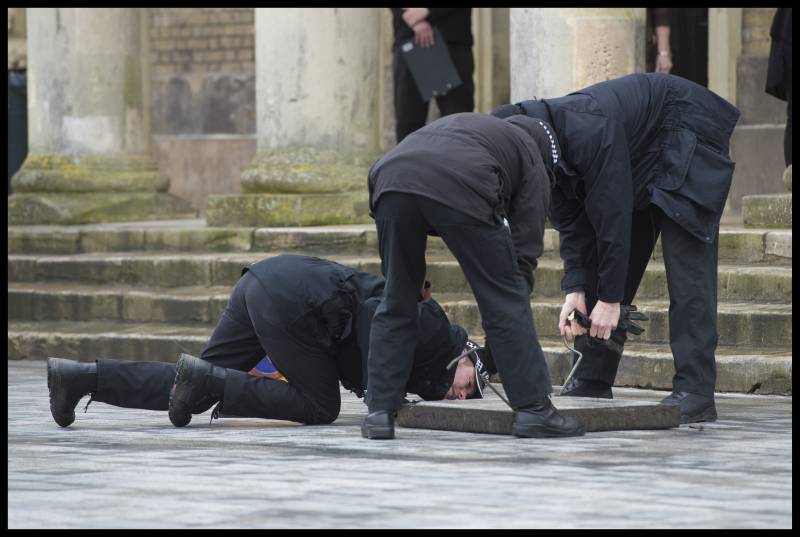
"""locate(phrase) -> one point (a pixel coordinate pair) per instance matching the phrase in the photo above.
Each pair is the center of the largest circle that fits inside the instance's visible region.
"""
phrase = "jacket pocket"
(708, 179)
(676, 155)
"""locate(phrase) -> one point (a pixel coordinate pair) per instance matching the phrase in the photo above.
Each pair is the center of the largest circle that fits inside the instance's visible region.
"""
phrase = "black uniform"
(642, 155)
(455, 25)
(461, 177)
(779, 70)
(312, 318)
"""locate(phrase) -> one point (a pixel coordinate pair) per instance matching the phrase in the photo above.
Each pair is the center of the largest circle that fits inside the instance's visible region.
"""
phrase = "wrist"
(665, 53)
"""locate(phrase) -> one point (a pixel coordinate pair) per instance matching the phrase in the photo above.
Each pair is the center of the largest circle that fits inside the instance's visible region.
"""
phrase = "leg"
(691, 267)
(410, 111)
(402, 236)
(600, 364)
(787, 137)
(486, 254)
(462, 98)
(130, 384)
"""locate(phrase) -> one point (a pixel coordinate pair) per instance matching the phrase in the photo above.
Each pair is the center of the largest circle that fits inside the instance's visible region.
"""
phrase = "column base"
(49, 208)
(266, 210)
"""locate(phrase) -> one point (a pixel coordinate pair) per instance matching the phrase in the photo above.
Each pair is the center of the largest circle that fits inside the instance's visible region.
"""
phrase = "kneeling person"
(309, 317)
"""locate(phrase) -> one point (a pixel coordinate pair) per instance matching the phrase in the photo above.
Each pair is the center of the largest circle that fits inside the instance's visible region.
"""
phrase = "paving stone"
(491, 414)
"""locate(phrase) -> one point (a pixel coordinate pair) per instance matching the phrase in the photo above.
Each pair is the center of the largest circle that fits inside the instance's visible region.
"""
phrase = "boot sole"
(709, 415)
(544, 432)
(54, 383)
(377, 433)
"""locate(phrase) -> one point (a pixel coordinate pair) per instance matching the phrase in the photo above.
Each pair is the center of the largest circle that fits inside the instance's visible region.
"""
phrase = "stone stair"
(149, 290)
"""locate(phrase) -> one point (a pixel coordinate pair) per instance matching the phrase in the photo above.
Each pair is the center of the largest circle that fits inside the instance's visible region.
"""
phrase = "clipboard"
(432, 68)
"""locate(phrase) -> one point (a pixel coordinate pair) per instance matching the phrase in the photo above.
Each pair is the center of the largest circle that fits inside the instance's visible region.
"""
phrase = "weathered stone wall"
(17, 46)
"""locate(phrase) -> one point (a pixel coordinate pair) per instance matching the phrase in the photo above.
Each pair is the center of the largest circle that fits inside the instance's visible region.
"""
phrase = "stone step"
(736, 282)
(767, 210)
(737, 244)
(647, 366)
(767, 325)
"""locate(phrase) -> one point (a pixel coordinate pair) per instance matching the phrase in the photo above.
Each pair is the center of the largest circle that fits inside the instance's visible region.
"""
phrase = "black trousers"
(486, 254)
(245, 332)
(787, 136)
(691, 269)
(410, 111)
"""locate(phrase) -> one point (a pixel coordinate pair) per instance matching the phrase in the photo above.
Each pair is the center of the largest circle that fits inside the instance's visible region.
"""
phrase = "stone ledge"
(767, 210)
(265, 210)
(492, 416)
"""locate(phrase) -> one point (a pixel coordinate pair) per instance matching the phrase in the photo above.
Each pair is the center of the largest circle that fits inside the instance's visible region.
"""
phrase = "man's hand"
(413, 15)
(604, 318)
(423, 34)
(573, 301)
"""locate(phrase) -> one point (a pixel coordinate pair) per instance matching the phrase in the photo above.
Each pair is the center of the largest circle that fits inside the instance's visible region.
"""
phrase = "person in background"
(455, 25)
(779, 70)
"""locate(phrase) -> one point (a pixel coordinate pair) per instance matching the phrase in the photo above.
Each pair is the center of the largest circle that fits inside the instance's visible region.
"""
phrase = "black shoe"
(587, 388)
(378, 425)
(542, 420)
(197, 386)
(694, 408)
(68, 381)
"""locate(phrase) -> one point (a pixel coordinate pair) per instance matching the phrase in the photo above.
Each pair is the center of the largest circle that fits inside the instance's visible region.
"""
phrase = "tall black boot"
(68, 381)
(198, 385)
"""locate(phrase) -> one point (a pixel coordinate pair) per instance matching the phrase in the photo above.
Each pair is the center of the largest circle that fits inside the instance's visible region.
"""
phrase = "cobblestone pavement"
(126, 468)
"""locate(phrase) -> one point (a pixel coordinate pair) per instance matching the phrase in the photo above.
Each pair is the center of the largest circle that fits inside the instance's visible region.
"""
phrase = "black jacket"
(455, 23)
(626, 143)
(478, 164)
(780, 53)
(333, 305)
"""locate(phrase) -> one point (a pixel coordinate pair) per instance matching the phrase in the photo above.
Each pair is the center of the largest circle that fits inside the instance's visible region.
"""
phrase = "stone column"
(317, 96)
(555, 51)
(89, 129)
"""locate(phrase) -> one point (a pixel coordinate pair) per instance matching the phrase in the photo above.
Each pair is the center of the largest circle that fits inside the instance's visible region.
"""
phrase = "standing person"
(310, 317)
(779, 70)
(455, 25)
(483, 185)
(644, 154)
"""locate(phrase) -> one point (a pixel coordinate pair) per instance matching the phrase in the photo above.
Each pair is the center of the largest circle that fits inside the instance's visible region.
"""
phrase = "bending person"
(482, 184)
(643, 155)
(311, 317)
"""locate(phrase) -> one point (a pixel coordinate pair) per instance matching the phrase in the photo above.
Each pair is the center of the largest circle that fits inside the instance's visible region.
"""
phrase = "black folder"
(432, 68)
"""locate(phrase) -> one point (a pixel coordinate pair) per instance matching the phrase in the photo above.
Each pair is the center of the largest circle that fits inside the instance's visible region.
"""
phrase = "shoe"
(542, 420)
(694, 408)
(587, 388)
(197, 385)
(68, 381)
(378, 425)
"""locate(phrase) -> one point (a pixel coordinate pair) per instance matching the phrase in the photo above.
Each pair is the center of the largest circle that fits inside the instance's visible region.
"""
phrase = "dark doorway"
(688, 42)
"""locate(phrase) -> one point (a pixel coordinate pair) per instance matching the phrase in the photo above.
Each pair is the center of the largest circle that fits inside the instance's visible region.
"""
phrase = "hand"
(573, 301)
(604, 318)
(413, 15)
(423, 34)
(663, 64)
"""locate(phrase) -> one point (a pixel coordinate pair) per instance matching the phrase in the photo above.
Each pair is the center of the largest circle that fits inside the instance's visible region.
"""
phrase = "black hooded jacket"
(626, 143)
(478, 164)
(333, 306)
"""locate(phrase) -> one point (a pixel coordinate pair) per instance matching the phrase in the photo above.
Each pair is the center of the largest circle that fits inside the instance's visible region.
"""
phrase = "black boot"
(542, 420)
(198, 385)
(694, 408)
(587, 388)
(378, 425)
(68, 381)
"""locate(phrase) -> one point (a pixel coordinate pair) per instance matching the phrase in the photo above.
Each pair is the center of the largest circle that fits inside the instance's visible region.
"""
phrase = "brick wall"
(203, 62)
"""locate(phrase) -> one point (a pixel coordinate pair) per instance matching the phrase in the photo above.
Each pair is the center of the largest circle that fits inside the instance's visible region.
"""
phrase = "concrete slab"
(491, 415)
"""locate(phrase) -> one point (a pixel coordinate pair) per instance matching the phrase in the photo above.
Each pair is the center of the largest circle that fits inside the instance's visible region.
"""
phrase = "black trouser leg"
(244, 335)
(787, 137)
(691, 267)
(410, 111)
(130, 384)
(402, 237)
(599, 362)
(486, 255)
(461, 98)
